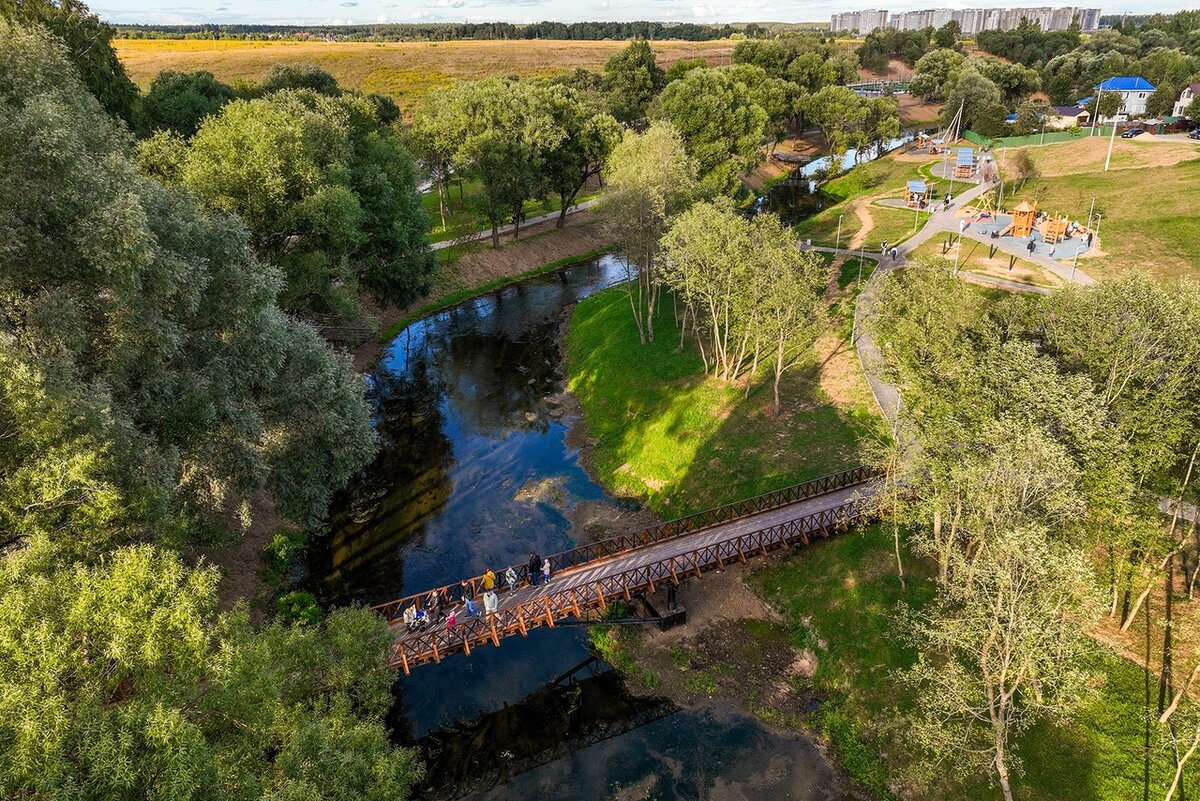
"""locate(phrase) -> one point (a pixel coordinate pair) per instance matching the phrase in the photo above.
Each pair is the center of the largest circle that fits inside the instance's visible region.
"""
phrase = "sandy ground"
(538, 245)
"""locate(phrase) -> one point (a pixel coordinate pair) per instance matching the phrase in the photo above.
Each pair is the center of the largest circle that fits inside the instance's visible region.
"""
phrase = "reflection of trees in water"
(497, 382)
(407, 483)
(543, 727)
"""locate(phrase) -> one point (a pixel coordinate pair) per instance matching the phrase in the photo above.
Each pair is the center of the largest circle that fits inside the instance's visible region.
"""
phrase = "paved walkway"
(505, 229)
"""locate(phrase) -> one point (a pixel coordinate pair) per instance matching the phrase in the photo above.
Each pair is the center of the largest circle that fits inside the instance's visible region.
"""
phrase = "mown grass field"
(1148, 200)
(840, 599)
(682, 441)
(405, 71)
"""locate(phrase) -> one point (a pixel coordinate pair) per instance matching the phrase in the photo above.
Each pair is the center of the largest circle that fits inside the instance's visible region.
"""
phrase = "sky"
(335, 12)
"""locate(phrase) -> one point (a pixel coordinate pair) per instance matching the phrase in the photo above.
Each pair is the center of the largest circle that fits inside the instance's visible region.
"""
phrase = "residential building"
(1134, 90)
(970, 20)
(1189, 93)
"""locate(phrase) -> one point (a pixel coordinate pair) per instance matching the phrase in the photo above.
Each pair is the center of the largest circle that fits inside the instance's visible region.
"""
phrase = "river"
(474, 471)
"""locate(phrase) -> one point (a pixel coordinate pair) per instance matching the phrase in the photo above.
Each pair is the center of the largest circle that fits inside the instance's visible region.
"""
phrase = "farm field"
(405, 71)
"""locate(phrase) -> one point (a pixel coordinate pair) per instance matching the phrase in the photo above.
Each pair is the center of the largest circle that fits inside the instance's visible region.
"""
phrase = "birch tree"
(1001, 647)
(651, 178)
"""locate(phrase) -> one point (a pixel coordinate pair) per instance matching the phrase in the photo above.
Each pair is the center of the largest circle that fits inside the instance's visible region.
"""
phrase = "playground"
(1055, 237)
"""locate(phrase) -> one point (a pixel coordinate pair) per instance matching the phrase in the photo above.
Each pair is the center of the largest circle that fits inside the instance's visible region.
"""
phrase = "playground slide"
(1007, 230)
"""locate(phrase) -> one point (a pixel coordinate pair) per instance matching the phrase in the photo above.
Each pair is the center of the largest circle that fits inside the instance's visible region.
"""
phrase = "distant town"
(970, 20)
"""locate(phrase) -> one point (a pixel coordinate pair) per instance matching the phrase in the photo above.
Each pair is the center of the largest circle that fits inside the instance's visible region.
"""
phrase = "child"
(546, 570)
(510, 576)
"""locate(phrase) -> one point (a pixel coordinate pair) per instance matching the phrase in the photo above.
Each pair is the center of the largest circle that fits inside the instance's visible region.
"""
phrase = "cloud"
(350, 4)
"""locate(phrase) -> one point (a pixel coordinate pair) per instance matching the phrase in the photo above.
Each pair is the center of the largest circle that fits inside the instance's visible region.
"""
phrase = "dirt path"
(868, 223)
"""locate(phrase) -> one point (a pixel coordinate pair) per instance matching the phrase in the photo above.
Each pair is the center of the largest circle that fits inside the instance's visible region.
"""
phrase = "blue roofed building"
(1134, 90)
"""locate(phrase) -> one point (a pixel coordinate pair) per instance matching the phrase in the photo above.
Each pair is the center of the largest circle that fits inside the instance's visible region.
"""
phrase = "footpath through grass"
(464, 219)
(840, 599)
(884, 178)
(683, 441)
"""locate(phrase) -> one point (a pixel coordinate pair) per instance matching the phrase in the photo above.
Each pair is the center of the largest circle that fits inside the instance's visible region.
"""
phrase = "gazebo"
(916, 194)
(964, 165)
(1022, 219)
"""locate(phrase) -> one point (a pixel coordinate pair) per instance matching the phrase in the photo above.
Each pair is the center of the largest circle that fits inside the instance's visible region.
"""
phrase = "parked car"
(1194, 134)
(1132, 132)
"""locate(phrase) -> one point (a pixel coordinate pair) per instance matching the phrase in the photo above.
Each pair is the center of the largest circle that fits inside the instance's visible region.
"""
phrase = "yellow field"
(403, 70)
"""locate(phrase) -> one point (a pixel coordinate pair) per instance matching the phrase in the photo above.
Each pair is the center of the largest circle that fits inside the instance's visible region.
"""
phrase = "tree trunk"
(562, 212)
(778, 371)
(1164, 678)
(495, 235)
(442, 202)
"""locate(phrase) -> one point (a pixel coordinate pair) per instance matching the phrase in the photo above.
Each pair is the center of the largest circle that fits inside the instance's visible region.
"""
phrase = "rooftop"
(1126, 83)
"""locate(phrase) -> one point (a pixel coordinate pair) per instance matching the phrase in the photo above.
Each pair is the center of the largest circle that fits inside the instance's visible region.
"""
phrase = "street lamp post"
(837, 244)
(861, 249)
(1043, 132)
(1074, 261)
(1099, 217)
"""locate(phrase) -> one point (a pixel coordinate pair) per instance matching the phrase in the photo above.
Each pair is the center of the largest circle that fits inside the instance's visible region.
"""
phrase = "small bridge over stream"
(587, 578)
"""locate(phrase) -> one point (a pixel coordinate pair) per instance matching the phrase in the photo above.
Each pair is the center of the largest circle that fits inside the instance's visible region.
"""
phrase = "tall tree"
(180, 101)
(721, 125)
(144, 329)
(89, 46)
(588, 139)
(1002, 647)
(633, 79)
(651, 178)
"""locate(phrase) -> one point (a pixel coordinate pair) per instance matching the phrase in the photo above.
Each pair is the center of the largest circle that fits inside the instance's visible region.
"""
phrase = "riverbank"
(477, 268)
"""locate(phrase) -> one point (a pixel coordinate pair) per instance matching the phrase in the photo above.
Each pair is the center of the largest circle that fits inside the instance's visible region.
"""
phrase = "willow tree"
(651, 179)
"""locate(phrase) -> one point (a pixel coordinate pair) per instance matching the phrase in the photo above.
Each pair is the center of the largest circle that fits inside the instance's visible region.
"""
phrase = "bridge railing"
(433, 645)
(583, 554)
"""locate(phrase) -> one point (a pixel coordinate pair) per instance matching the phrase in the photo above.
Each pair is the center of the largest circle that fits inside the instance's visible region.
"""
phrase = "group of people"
(459, 599)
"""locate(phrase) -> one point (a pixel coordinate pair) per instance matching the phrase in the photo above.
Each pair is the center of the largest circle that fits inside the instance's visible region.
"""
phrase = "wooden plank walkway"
(592, 576)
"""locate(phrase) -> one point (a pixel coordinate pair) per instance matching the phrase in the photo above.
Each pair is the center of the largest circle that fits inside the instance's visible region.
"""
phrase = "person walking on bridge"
(489, 580)
(535, 568)
(546, 570)
(510, 576)
(490, 602)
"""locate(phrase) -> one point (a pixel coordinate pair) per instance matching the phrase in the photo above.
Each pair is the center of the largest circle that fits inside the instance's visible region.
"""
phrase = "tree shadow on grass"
(686, 441)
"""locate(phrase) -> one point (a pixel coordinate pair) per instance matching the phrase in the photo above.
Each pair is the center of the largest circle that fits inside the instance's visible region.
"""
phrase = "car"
(1194, 134)
(1132, 132)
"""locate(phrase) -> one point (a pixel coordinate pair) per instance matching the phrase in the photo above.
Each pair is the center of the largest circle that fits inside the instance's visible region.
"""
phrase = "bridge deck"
(595, 583)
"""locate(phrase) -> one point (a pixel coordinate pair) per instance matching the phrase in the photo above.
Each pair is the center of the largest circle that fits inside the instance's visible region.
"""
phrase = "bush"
(281, 553)
(298, 607)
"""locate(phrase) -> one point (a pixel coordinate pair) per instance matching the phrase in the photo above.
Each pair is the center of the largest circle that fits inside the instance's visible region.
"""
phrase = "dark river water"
(467, 404)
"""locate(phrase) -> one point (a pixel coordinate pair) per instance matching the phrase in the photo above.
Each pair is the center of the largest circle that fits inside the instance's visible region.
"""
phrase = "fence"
(663, 531)
(1035, 139)
(426, 646)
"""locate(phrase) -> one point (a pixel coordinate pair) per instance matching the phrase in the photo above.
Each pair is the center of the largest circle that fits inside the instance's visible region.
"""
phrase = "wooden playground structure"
(964, 163)
(916, 194)
(1024, 217)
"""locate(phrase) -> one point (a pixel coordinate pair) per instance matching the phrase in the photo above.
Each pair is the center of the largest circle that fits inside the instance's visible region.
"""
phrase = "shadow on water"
(468, 410)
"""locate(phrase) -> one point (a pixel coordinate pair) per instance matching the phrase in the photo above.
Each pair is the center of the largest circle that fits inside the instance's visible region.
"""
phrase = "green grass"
(462, 218)
(840, 599)
(886, 177)
(683, 441)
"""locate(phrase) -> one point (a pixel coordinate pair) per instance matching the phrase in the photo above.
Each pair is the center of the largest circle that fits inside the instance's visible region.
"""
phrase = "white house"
(1134, 92)
(1189, 93)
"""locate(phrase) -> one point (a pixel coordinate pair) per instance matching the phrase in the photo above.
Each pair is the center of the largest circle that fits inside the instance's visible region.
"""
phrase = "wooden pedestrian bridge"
(587, 578)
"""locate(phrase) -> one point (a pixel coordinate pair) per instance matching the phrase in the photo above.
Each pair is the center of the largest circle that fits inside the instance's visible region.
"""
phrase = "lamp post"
(1099, 217)
(1112, 138)
(1074, 261)
(837, 244)
(1043, 132)
(861, 249)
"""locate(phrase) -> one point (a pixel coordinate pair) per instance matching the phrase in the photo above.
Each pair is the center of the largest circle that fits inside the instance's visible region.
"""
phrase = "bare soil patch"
(240, 560)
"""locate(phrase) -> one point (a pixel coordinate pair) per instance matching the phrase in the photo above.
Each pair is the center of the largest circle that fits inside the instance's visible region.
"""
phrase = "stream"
(474, 471)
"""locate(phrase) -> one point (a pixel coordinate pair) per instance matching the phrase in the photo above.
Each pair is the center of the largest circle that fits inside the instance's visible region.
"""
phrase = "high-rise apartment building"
(971, 20)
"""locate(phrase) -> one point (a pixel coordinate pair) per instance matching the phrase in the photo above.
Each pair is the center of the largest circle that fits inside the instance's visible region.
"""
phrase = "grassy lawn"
(462, 219)
(974, 259)
(840, 598)
(682, 441)
(1150, 223)
(884, 178)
